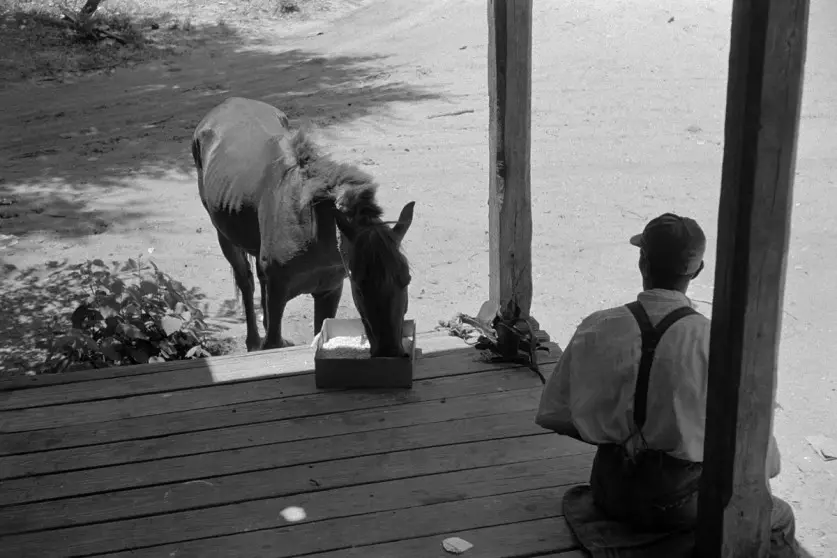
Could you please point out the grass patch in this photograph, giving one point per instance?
(38, 44)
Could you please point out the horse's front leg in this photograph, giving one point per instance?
(325, 306)
(277, 297)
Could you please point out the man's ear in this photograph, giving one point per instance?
(643, 263)
(344, 225)
(696, 273)
(404, 221)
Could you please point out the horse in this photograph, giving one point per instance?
(307, 221)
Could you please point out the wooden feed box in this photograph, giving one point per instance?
(362, 372)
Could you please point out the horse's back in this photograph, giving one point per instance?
(234, 144)
(236, 116)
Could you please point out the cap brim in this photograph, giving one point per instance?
(636, 240)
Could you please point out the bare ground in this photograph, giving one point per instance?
(628, 116)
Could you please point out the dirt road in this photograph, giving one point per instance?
(628, 114)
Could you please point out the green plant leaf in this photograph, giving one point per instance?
(488, 311)
(85, 341)
(130, 331)
(117, 287)
(167, 349)
(63, 342)
(170, 324)
(107, 282)
(180, 340)
(111, 323)
(170, 300)
(191, 338)
(133, 292)
(148, 287)
(83, 315)
(112, 349)
(138, 355)
(59, 364)
(196, 352)
(109, 307)
(140, 325)
(99, 263)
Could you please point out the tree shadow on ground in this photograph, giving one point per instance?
(104, 133)
(63, 213)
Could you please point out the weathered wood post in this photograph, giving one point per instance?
(767, 55)
(510, 198)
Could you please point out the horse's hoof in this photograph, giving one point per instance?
(254, 345)
(283, 343)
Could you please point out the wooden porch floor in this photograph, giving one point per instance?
(198, 459)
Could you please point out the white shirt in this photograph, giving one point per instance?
(591, 390)
(593, 384)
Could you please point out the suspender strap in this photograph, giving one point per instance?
(650, 339)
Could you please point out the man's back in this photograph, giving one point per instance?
(599, 371)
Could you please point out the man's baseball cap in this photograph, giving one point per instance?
(672, 244)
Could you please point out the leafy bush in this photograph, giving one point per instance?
(134, 314)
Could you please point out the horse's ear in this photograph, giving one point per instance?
(344, 225)
(404, 221)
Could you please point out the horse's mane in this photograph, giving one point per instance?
(323, 179)
(377, 254)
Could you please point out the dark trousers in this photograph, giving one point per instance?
(656, 492)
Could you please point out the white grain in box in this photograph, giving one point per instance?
(353, 372)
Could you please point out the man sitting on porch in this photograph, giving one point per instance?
(633, 381)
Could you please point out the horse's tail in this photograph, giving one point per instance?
(196, 156)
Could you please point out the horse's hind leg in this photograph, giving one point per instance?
(325, 306)
(263, 284)
(243, 274)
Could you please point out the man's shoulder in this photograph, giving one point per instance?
(621, 317)
(604, 318)
(600, 315)
(698, 320)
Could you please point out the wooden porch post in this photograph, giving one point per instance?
(510, 199)
(767, 55)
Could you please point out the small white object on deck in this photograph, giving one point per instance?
(293, 514)
(455, 545)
